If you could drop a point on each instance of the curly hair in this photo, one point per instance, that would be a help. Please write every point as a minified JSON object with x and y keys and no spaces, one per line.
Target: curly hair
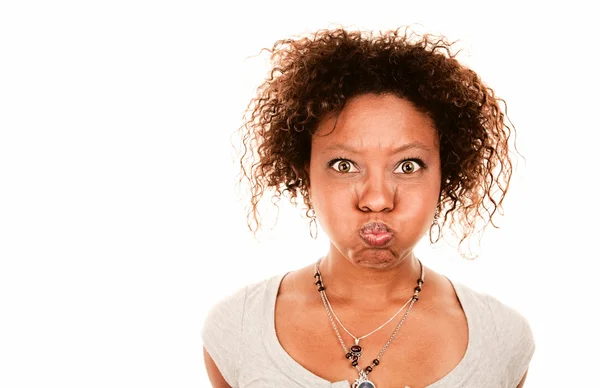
{"x":315,"y":75}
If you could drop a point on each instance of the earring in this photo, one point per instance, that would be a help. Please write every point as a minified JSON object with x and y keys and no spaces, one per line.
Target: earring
{"x":312,"y":225}
{"x":435,"y":226}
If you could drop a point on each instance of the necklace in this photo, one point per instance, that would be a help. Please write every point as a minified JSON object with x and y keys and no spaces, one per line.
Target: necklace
{"x":357,"y":339}
{"x":355,"y":351}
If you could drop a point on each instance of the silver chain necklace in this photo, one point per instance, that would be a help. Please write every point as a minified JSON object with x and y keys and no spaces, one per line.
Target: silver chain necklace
{"x":355,"y":351}
{"x":357,"y":339}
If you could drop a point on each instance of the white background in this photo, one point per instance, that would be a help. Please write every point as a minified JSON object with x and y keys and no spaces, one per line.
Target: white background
{"x":119,"y":221}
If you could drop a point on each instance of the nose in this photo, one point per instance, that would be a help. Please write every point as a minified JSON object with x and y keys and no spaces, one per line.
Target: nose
{"x":377,"y":195}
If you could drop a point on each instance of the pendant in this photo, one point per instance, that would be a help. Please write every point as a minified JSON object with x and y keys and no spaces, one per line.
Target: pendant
{"x":363,"y":382}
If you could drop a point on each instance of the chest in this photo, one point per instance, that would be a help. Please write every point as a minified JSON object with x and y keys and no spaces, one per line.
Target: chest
{"x":429,"y":344}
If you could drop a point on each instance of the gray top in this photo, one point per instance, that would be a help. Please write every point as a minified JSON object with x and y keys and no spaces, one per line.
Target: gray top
{"x":239,"y":334}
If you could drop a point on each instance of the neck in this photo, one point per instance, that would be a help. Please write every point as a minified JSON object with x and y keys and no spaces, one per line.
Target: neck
{"x":348,"y":283}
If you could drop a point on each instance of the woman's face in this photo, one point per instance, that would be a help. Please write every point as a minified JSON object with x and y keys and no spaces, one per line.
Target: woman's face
{"x":381,"y":163}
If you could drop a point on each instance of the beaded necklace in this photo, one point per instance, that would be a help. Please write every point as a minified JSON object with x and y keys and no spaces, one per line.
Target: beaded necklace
{"x":355,"y":351}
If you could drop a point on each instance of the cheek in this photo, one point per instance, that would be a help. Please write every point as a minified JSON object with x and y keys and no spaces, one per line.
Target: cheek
{"x":331,"y":198}
{"x":416,"y":204}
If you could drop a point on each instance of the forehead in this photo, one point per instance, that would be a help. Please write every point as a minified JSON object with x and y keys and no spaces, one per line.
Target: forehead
{"x":376,"y":123}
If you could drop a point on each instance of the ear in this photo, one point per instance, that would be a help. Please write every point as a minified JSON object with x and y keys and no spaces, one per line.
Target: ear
{"x":297,"y":172}
{"x":304,"y":172}
{"x":307,"y":175}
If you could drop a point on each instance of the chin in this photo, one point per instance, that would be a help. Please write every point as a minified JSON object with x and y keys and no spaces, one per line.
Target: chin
{"x":380,"y":258}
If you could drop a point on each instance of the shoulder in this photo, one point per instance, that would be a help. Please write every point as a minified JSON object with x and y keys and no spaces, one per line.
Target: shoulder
{"x":510,"y":326}
{"x":504,"y":331}
{"x":224,"y":324}
{"x":233,"y":305}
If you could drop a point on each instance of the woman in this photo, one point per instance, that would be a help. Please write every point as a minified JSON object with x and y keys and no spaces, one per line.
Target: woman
{"x":387,"y":138}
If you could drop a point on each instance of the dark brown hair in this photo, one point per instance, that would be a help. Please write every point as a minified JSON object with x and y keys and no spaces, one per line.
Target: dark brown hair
{"x":315,"y":75}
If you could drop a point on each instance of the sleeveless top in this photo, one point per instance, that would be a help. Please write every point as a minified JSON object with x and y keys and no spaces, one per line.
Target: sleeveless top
{"x":239,"y":334}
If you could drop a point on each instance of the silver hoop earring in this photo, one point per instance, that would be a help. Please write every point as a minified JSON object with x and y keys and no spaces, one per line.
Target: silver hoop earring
{"x":435,"y":226}
{"x":312,"y":225}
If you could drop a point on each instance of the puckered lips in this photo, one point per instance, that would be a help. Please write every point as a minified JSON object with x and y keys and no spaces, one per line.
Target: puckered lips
{"x":376,"y":234}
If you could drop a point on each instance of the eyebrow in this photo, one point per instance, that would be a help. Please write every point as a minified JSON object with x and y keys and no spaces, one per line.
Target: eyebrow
{"x":404,"y":147}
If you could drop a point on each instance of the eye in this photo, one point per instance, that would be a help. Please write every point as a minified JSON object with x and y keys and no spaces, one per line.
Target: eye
{"x":409,"y":166}
{"x":342,"y":165}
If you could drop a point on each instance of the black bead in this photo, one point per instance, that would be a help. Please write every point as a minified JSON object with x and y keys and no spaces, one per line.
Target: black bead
{"x":348,"y":355}
{"x":418,"y":288}
{"x":319,"y":283}
{"x":376,"y":361}
{"x":317,"y":275}
{"x":354,"y":363}
{"x":321,"y":288}
{"x":354,"y":358}
{"x":369,"y":369}
{"x":415,"y":297}
{"x":420,"y":281}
